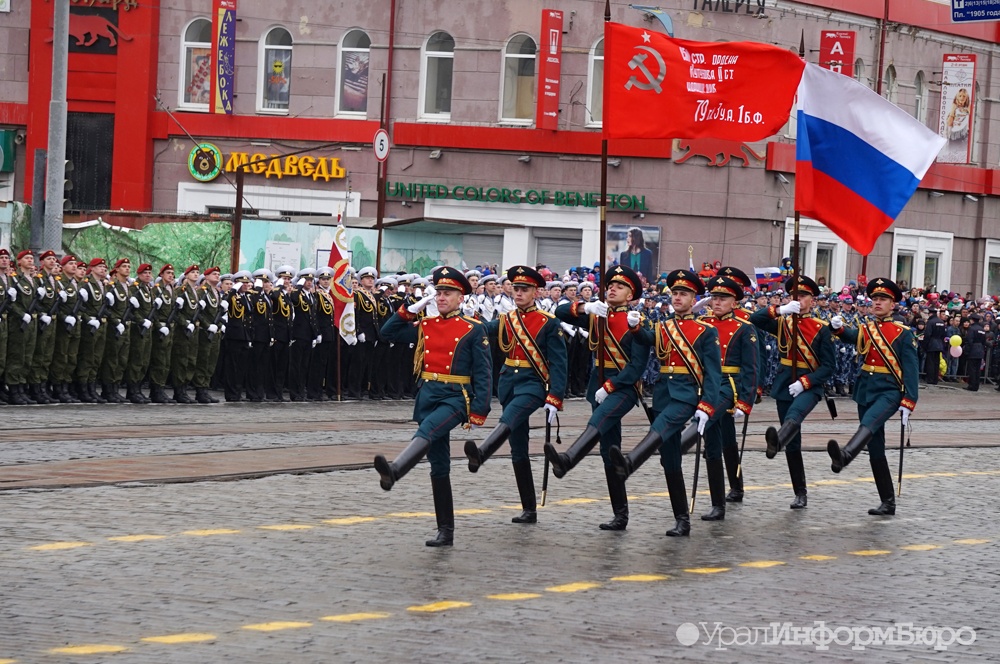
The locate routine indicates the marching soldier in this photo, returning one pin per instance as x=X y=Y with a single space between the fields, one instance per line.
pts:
x=237 y=338
x=45 y=337
x=366 y=316
x=533 y=376
x=797 y=389
x=163 y=337
x=304 y=333
x=888 y=383
x=380 y=357
x=7 y=295
x=116 y=348
x=453 y=358
x=281 y=305
x=624 y=359
x=322 y=355
x=141 y=334
x=399 y=360
x=689 y=385
x=21 y=331
x=212 y=317
x=262 y=325
x=185 y=332
x=93 y=336
x=67 y=332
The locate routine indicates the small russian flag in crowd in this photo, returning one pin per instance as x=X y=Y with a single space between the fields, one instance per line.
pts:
x=767 y=276
x=859 y=158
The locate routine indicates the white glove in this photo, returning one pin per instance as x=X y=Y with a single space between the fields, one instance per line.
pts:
x=411 y=346
x=314 y=343
x=837 y=322
x=300 y=282
x=63 y=296
x=71 y=321
x=792 y=307
x=224 y=304
x=702 y=418
x=551 y=412
x=351 y=340
x=700 y=304
x=420 y=304
x=26 y=318
x=179 y=301
x=40 y=291
x=146 y=324
x=84 y=295
x=738 y=414
x=121 y=328
x=164 y=330
x=584 y=334
x=596 y=308
x=110 y=297
x=11 y=293
x=431 y=291
x=469 y=309
x=45 y=318
x=96 y=324
x=319 y=339
x=361 y=337
x=904 y=414
x=158 y=302
x=134 y=302
x=223 y=329
x=796 y=388
x=600 y=395
x=633 y=318
x=202 y=303
x=225 y=318
x=213 y=328
x=190 y=327
x=258 y=283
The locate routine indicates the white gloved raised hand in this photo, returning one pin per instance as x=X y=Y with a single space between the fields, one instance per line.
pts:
x=551 y=412
x=45 y=318
x=121 y=329
x=190 y=327
x=792 y=307
x=596 y=308
x=40 y=291
x=469 y=309
x=224 y=304
x=796 y=388
x=134 y=302
x=96 y=324
x=351 y=340
x=702 y=418
x=110 y=297
x=213 y=328
x=84 y=295
x=301 y=282
x=904 y=414
x=600 y=395
x=362 y=338
x=70 y=320
x=63 y=295
x=158 y=302
x=11 y=292
x=837 y=322
x=164 y=330
x=701 y=304
x=258 y=283
x=634 y=318
x=146 y=324
x=420 y=304
x=738 y=414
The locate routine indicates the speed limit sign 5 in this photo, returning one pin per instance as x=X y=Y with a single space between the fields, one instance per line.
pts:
x=381 y=144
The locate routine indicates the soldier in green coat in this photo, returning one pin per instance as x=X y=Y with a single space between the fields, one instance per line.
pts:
x=163 y=339
x=45 y=335
x=7 y=293
x=185 y=332
x=141 y=332
x=94 y=331
x=21 y=328
x=117 y=341
x=67 y=330
x=211 y=318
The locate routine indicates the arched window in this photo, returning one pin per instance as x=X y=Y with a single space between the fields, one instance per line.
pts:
x=890 y=89
x=517 y=102
x=859 y=72
x=275 y=66
x=920 y=98
x=196 y=65
x=437 y=62
x=595 y=85
x=352 y=87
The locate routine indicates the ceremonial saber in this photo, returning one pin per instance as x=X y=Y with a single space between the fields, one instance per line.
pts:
x=545 y=474
x=739 y=465
x=902 y=437
x=697 y=464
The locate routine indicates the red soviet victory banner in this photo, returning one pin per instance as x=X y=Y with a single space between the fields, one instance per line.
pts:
x=659 y=87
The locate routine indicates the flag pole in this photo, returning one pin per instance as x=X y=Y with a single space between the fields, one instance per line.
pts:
x=380 y=205
x=795 y=260
x=602 y=324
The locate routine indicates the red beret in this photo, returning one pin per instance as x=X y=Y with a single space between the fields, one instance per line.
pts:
x=46 y=254
x=4 y=252
x=67 y=258
x=95 y=262
x=144 y=267
x=26 y=252
x=166 y=267
x=210 y=270
x=190 y=269
x=122 y=261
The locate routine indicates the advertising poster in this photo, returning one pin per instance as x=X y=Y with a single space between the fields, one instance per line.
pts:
x=958 y=87
x=637 y=247
x=224 y=56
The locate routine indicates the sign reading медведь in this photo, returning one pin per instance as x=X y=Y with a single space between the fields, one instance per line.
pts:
x=493 y=194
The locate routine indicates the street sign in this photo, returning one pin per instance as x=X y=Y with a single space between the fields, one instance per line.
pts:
x=964 y=11
x=381 y=144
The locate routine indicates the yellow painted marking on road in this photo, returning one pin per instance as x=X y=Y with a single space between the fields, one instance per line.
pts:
x=920 y=547
x=864 y=479
x=641 y=578
x=512 y=507
x=573 y=587
x=90 y=649
x=277 y=626
x=287 y=526
x=830 y=482
x=971 y=472
x=513 y=597
x=189 y=637
x=870 y=552
x=59 y=546
x=760 y=487
x=438 y=606
x=660 y=494
x=349 y=520
x=473 y=510
x=208 y=532
x=818 y=557
x=355 y=617
x=913 y=476
x=942 y=474
x=575 y=501
x=8 y=661
x=972 y=541
x=136 y=538
x=410 y=515
x=762 y=564
x=706 y=570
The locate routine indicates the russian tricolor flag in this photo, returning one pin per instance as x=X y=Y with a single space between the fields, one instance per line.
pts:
x=859 y=158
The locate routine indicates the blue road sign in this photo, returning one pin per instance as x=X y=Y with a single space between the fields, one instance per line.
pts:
x=963 y=11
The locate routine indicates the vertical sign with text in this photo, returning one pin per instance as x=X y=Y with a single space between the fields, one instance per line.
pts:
x=223 y=56
x=549 y=70
x=836 y=51
x=958 y=89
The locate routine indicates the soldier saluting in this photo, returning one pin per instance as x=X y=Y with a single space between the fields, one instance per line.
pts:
x=455 y=387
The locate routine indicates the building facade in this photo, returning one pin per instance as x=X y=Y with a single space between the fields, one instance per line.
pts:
x=494 y=115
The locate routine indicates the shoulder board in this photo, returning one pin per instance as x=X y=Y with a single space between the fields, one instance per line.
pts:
x=474 y=321
x=204 y=287
x=702 y=323
x=86 y=280
x=545 y=313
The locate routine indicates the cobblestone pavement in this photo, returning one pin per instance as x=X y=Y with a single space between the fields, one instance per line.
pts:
x=328 y=568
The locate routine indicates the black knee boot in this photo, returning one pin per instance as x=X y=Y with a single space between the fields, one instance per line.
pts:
x=717 y=487
x=626 y=464
x=133 y=394
x=390 y=473
x=842 y=457
x=777 y=439
x=679 y=503
x=619 y=500
x=83 y=392
x=92 y=388
x=479 y=455
x=563 y=462
x=883 y=481
x=526 y=489
x=797 y=471
x=731 y=455
x=444 y=510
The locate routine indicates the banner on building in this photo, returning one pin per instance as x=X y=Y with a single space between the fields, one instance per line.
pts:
x=836 y=51
x=637 y=247
x=223 y=56
x=549 y=70
x=958 y=89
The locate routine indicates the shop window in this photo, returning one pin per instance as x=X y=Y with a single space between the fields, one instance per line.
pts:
x=275 y=66
x=436 y=77
x=352 y=86
x=822 y=254
x=904 y=268
x=196 y=65
x=890 y=89
x=595 y=85
x=922 y=258
x=518 y=95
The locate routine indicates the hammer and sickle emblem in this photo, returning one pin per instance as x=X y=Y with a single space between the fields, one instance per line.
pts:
x=652 y=82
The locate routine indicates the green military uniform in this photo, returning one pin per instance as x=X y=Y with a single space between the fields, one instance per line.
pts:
x=141 y=341
x=116 y=343
x=210 y=339
x=5 y=302
x=185 y=333
x=20 y=337
x=163 y=340
x=45 y=336
x=67 y=345
x=93 y=337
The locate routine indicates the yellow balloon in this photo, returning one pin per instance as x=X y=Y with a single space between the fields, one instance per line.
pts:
x=955 y=340
x=943 y=367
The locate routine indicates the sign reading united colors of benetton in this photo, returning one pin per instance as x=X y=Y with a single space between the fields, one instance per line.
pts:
x=494 y=194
